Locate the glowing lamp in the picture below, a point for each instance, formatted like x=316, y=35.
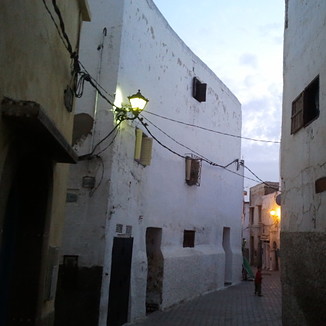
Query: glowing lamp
x=276, y=213
x=131, y=112
x=138, y=101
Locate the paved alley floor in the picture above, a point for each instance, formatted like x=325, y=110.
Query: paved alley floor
x=233, y=306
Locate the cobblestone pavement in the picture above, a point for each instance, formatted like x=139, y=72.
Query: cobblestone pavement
x=233, y=306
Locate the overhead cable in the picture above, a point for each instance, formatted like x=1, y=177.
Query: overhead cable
x=183, y=156
x=85, y=76
x=255, y=175
x=212, y=130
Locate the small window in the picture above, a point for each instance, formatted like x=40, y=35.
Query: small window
x=188, y=238
x=305, y=108
x=199, y=90
x=193, y=170
x=143, y=148
x=129, y=229
x=118, y=228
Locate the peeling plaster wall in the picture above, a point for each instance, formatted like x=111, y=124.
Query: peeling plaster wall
x=303, y=161
x=141, y=51
x=154, y=59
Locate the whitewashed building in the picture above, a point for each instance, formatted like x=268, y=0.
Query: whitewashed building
x=303, y=164
x=147, y=234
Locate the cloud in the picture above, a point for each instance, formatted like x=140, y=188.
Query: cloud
x=249, y=59
x=272, y=33
x=261, y=118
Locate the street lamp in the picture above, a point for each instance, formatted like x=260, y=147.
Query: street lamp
x=276, y=213
x=137, y=105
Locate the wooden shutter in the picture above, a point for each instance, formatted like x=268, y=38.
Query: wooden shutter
x=192, y=171
x=297, y=114
x=138, y=144
x=146, y=151
x=199, y=90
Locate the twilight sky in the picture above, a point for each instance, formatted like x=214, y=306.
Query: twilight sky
x=242, y=42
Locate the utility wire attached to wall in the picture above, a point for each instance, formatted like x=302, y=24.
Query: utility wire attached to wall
x=85, y=76
x=212, y=130
x=183, y=156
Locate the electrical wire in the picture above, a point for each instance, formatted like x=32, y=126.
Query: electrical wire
x=203, y=158
x=56, y=26
x=112, y=141
x=211, y=130
x=182, y=156
x=265, y=183
x=184, y=146
x=62, y=26
x=85, y=76
x=160, y=143
x=91, y=193
x=95, y=82
x=106, y=137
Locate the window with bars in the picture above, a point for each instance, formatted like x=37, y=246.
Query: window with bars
x=305, y=108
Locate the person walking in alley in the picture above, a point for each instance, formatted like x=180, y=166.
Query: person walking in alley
x=258, y=279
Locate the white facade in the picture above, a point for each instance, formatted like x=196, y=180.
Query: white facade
x=153, y=205
x=303, y=164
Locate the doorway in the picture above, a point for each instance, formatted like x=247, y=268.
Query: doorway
x=24, y=226
x=120, y=281
x=228, y=256
x=154, y=269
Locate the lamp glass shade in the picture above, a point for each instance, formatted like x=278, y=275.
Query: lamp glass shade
x=138, y=101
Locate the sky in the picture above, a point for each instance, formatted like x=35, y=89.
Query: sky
x=241, y=41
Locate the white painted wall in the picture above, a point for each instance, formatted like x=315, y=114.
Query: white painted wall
x=303, y=155
x=154, y=59
x=141, y=51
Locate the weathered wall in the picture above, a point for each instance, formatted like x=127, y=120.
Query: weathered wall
x=141, y=51
x=302, y=163
x=155, y=60
x=86, y=214
x=36, y=67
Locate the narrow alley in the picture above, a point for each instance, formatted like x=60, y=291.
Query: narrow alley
x=236, y=305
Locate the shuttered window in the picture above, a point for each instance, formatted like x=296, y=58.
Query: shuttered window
x=143, y=148
x=305, y=108
x=199, y=90
x=297, y=114
x=193, y=170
